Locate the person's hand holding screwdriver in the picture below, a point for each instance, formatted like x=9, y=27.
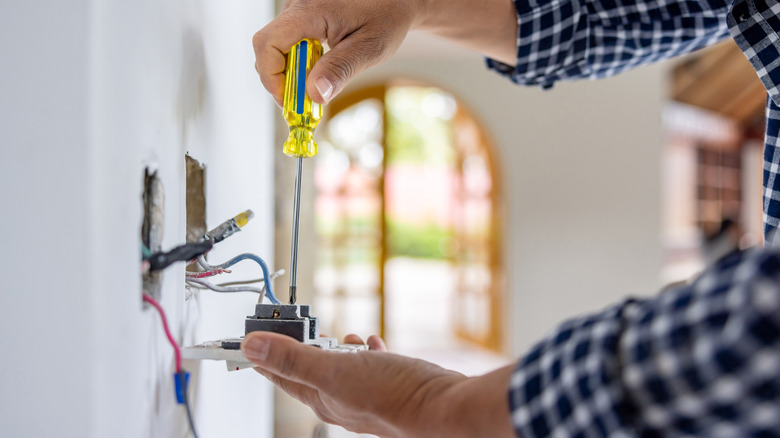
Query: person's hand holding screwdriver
x=362, y=34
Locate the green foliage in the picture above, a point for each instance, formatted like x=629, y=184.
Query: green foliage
x=414, y=136
x=406, y=240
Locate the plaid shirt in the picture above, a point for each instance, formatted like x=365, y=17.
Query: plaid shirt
x=575, y=39
x=701, y=360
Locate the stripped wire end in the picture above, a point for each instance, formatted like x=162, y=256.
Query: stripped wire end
x=243, y=218
x=229, y=227
x=247, y=256
x=207, y=273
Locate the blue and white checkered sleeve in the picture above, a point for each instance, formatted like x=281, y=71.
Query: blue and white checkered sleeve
x=772, y=168
x=755, y=25
x=701, y=360
x=574, y=39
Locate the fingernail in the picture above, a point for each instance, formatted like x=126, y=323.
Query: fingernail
x=324, y=87
x=256, y=349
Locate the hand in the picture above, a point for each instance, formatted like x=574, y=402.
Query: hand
x=362, y=34
x=381, y=393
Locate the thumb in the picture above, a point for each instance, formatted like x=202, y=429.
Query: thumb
x=342, y=63
x=286, y=357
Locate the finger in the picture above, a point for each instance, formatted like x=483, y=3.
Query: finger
x=342, y=63
x=275, y=83
x=273, y=42
x=270, y=66
x=353, y=339
x=375, y=343
x=288, y=358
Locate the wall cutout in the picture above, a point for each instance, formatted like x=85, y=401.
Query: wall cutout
x=152, y=228
x=195, y=198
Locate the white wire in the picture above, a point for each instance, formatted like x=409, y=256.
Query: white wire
x=203, y=284
x=200, y=283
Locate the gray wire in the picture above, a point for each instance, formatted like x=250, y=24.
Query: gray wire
x=209, y=267
x=275, y=275
x=206, y=285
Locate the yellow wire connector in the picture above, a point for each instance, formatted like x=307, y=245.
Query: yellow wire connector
x=242, y=218
x=300, y=112
x=229, y=227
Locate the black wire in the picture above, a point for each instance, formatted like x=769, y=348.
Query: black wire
x=182, y=253
x=187, y=405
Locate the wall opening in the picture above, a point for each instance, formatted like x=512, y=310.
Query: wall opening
x=195, y=198
x=153, y=198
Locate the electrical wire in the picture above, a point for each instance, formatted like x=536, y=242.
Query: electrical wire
x=206, y=273
x=247, y=256
x=206, y=285
x=229, y=227
x=182, y=253
x=275, y=275
x=203, y=284
x=188, y=408
x=180, y=375
x=244, y=282
x=174, y=344
x=145, y=252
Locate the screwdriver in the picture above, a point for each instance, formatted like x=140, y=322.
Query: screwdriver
x=302, y=116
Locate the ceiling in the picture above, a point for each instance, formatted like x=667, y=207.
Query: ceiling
x=720, y=79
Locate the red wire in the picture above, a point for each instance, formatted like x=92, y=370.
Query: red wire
x=176, y=349
x=206, y=273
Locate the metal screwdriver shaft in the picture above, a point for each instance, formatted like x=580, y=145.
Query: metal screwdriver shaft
x=302, y=116
x=296, y=226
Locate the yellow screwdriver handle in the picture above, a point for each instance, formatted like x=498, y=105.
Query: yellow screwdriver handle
x=302, y=115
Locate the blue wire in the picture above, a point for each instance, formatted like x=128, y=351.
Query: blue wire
x=269, y=292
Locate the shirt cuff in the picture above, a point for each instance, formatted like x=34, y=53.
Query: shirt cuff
x=552, y=42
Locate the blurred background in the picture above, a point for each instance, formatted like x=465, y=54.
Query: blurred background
x=457, y=215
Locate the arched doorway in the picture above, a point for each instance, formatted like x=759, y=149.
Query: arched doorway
x=407, y=215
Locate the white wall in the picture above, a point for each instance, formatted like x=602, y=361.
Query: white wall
x=580, y=168
x=91, y=92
